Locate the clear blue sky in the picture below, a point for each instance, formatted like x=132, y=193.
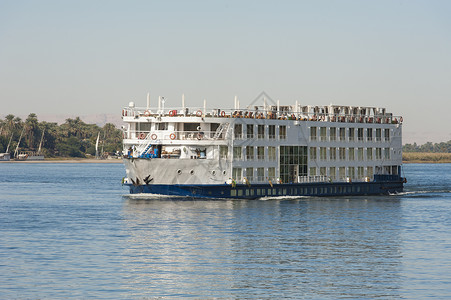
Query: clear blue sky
x=91, y=57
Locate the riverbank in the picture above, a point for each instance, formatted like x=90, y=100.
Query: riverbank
x=425, y=157
x=67, y=160
x=407, y=157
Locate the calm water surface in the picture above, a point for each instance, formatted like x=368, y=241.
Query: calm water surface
x=71, y=231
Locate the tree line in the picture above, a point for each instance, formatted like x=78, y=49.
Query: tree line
x=443, y=147
x=74, y=138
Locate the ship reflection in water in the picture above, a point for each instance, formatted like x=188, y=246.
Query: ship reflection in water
x=327, y=248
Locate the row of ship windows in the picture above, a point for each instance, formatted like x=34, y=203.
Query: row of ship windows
x=333, y=173
x=349, y=134
x=316, y=133
x=299, y=191
x=260, y=133
x=261, y=174
x=315, y=153
x=341, y=153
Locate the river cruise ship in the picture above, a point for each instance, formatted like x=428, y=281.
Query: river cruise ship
x=268, y=150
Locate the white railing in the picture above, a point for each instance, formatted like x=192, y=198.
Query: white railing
x=176, y=135
x=260, y=113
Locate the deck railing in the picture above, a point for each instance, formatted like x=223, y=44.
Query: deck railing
x=262, y=114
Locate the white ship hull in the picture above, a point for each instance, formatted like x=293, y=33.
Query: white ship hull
x=266, y=151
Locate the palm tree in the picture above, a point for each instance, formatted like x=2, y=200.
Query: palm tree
x=31, y=129
x=9, y=122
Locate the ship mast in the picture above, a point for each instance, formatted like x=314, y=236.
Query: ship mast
x=18, y=143
x=97, y=145
x=40, y=143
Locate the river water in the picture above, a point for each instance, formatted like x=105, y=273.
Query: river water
x=72, y=231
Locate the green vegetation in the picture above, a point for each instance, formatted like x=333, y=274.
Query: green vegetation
x=421, y=157
x=74, y=138
x=427, y=153
x=443, y=147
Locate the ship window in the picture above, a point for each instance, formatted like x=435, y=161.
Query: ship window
x=387, y=153
x=214, y=127
x=250, y=131
x=369, y=172
x=351, y=172
x=342, y=173
x=233, y=193
x=161, y=126
x=312, y=153
x=342, y=134
x=332, y=173
x=250, y=174
x=351, y=153
x=261, y=132
x=283, y=132
x=378, y=134
x=249, y=153
x=360, y=154
x=323, y=133
x=223, y=152
x=333, y=133
x=378, y=153
x=333, y=153
x=143, y=127
x=360, y=134
x=272, y=153
x=293, y=162
x=261, y=174
x=237, y=173
x=360, y=173
x=238, y=131
x=240, y=192
x=351, y=134
x=272, y=132
x=342, y=153
x=260, y=153
x=237, y=153
x=191, y=126
x=323, y=153
x=312, y=171
x=313, y=134
x=271, y=173
x=369, y=153
x=369, y=134
x=387, y=134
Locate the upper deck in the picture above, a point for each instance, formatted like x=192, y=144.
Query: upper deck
x=330, y=113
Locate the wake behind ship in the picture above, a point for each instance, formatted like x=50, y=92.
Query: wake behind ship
x=262, y=151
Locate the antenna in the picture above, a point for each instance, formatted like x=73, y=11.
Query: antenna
x=148, y=101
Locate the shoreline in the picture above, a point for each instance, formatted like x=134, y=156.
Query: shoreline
x=408, y=159
x=67, y=161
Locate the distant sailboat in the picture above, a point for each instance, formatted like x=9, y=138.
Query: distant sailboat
x=21, y=156
x=30, y=155
x=37, y=155
x=98, y=155
x=6, y=156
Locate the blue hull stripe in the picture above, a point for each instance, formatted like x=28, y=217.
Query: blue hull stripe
x=242, y=191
